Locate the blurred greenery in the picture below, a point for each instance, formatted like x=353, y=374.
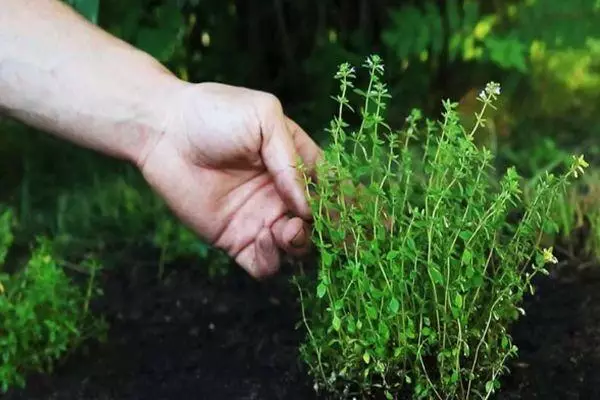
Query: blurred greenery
x=544, y=53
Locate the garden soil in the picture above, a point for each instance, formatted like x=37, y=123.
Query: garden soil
x=232, y=338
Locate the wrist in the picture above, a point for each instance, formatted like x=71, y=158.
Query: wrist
x=153, y=104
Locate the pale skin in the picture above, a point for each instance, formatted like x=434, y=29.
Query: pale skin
x=223, y=157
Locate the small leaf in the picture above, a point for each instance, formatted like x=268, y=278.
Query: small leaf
x=436, y=275
x=366, y=357
x=351, y=325
x=467, y=257
x=337, y=323
x=384, y=331
x=465, y=235
x=372, y=312
x=391, y=255
x=327, y=259
x=454, y=377
x=394, y=305
x=458, y=301
x=321, y=290
x=470, y=271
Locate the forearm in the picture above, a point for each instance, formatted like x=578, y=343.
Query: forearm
x=62, y=74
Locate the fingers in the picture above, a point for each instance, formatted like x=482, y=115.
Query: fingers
x=279, y=153
x=261, y=259
x=292, y=235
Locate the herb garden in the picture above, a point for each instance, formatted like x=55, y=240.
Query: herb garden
x=456, y=216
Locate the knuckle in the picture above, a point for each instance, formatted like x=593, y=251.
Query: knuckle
x=271, y=104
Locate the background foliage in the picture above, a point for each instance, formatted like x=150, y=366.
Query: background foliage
x=544, y=53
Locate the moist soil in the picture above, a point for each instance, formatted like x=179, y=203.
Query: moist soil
x=190, y=336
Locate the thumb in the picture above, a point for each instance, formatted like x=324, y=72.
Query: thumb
x=280, y=157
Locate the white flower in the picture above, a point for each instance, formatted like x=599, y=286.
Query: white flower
x=492, y=89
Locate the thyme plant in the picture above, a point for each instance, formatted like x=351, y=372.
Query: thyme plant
x=421, y=268
x=44, y=315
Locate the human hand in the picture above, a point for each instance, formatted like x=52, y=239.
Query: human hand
x=221, y=156
x=225, y=164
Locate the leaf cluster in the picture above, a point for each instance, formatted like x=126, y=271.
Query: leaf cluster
x=424, y=260
x=43, y=315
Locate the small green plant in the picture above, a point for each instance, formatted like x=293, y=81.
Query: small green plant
x=421, y=268
x=577, y=214
x=43, y=314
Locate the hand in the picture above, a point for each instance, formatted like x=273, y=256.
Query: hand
x=225, y=164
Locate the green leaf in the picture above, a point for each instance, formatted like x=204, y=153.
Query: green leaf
x=467, y=257
x=321, y=290
x=327, y=259
x=384, y=331
x=436, y=275
x=338, y=305
x=465, y=235
x=366, y=357
x=458, y=301
x=391, y=255
x=550, y=227
x=470, y=271
x=394, y=305
x=351, y=324
x=337, y=323
x=372, y=312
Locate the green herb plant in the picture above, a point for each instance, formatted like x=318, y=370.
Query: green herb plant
x=421, y=268
x=43, y=313
x=577, y=215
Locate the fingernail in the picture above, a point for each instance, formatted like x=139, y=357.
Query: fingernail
x=298, y=240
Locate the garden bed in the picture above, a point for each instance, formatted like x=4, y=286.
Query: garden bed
x=192, y=337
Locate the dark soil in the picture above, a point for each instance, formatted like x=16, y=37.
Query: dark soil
x=188, y=337
x=559, y=338
x=191, y=337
